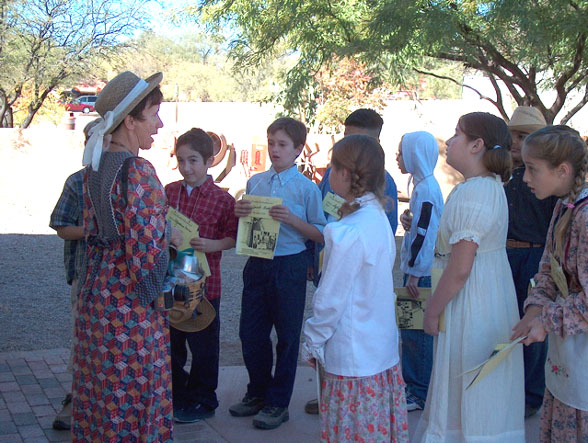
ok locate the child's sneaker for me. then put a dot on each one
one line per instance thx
(193, 413)
(270, 417)
(413, 403)
(247, 407)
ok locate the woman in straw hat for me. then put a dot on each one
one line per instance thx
(122, 376)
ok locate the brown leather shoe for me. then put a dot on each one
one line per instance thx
(311, 407)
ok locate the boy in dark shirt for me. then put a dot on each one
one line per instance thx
(528, 221)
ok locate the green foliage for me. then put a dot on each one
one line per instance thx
(528, 45)
(197, 67)
(342, 86)
(46, 44)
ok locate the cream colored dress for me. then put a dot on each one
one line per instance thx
(477, 319)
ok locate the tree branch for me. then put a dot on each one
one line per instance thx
(576, 108)
(497, 103)
(568, 73)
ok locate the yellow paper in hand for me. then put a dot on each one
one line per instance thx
(500, 352)
(559, 278)
(332, 203)
(435, 277)
(257, 234)
(410, 313)
(189, 230)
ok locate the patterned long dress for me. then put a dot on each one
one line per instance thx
(122, 376)
(564, 414)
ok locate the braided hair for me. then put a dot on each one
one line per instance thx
(555, 145)
(363, 157)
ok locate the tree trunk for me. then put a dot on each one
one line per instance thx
(35, 106)
(4, 111)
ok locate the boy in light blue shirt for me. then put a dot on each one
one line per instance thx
(274, 291)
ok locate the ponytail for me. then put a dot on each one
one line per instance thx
(496, 136)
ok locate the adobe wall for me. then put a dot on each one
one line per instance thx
(34, 163)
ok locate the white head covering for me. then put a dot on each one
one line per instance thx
(93, 150)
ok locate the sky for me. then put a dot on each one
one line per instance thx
(160, 10)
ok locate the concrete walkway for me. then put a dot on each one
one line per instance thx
(32, 385)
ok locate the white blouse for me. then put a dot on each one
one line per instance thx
(353, 331)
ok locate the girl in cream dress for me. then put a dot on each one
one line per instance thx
(475, 295)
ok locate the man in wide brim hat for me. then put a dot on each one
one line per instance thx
(528, 220)
(526, 119)
(118, 99)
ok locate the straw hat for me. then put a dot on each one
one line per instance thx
(194, 315)
(117, 89)
(526, 119)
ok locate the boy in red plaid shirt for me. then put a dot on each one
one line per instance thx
(198, 198)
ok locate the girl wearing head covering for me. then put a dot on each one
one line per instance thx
(475, 295)
(122, 376)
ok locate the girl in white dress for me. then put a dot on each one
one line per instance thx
(352, 331)
(475, 295)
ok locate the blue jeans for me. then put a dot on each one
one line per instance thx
(417, 355)
(274, 293)
(524, 263)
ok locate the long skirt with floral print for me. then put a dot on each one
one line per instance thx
(364, 409)
(561, 423)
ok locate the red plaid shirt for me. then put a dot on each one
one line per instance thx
(214, 211)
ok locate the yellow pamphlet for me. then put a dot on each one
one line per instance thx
(410, 313)
(257, 234)
(189, 230)
(500, 352)
(332, 203)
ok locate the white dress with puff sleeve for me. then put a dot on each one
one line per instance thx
(477, 319)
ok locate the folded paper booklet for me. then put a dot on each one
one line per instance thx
(189, 230)
(410, 313)
(257, 234)
(500, 352)
(332, 203)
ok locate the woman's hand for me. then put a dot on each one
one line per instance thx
(523, 327)
(537, 332)
(406, 220)
(176, 237)
(312, 363)
(412, 287)
(242, 208)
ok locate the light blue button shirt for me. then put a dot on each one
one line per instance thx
(300, 195)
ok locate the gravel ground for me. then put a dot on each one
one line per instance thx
(35, 304)
(35, 308)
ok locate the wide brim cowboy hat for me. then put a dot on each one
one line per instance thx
(117, 89)
(194, 315)
(526, 119)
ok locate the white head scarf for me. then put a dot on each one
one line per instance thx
(94, 146)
